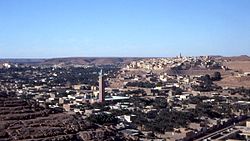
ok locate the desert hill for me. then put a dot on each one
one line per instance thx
(100, 60)
(237, 58)
(72, 61)
(87, 61)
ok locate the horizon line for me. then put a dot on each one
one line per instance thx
(63, 57)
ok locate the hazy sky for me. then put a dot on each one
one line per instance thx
(63, 28)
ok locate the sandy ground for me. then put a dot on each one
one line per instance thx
(234, 80)
(238, 65)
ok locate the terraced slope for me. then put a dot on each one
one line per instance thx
(25, 120)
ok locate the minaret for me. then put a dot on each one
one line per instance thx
(101, 88)
(180, 56)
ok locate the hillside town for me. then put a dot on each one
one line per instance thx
(179, 62)
(134, 100)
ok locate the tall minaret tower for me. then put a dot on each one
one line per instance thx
(101, 88)
(180, 56)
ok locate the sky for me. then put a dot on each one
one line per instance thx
(123, 28)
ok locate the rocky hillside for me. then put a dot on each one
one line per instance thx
(25, 120)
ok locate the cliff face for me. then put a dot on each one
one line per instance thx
(24, 120)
